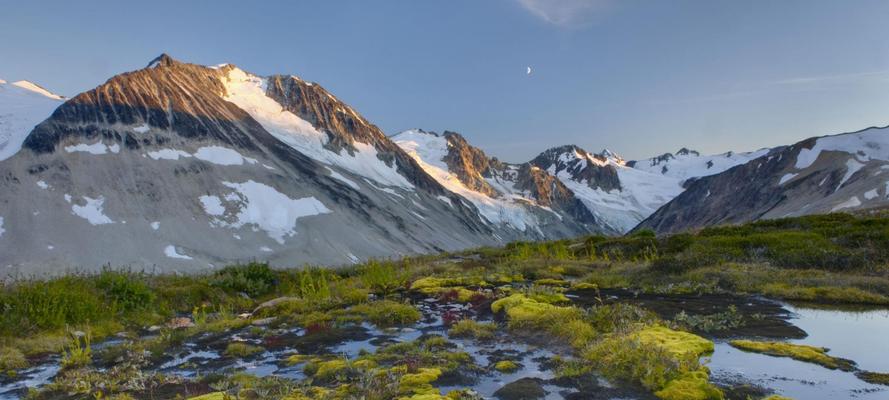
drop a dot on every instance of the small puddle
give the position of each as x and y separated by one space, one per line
856 335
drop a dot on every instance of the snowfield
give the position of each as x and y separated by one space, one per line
872 143
23 105
249 93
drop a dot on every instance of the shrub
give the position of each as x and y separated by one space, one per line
254 279
125 291
382 277
52 304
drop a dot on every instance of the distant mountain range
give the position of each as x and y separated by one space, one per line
183 167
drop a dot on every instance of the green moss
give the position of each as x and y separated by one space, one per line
326 370
876 378
210 396
506 366
552 282
471 328
693 385
681 344
811 354
419 382
584 286
387 312
652 357
242 350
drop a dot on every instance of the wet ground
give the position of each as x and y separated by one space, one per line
857 335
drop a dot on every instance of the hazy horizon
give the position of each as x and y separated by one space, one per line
638 78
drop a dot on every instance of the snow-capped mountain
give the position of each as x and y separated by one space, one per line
185 167
817 175
688 164
22 106
522 196
618 195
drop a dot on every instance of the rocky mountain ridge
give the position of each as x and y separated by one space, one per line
184 167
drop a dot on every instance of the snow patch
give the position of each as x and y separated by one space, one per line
866 145
212 205
852 166
95 148
264 208
168 154
338 176
170 251
265 249
786 178
871 194
92 211
852 202
142 128
155 225
42 185
1 227
222 156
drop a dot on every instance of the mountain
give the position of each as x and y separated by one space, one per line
22 106
689 164
182 167
818 175
618 195
514 196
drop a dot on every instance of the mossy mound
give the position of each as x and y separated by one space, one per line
876 378
678 343
419 382
506 366
387 312
799 352
471 328
693 385
242 350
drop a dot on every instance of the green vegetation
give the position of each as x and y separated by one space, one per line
812 354
530 288
241 350
876 378
471 328
506 366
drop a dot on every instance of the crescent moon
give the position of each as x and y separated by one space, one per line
529 70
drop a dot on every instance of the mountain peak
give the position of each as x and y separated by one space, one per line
686 151
163 60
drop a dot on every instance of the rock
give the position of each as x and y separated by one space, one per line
522 389
245 315
153 328
274 302
264 321
180 323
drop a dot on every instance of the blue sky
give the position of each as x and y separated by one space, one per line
639 77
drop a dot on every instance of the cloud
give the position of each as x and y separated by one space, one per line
839 78
565 13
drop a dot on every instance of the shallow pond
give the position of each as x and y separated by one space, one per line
857 335
861 336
